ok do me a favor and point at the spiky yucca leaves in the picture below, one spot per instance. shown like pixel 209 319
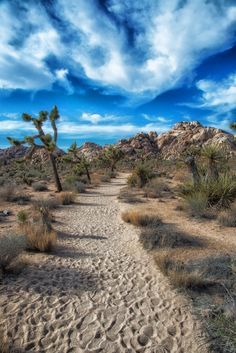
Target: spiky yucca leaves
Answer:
pixel 47 141
pixel 219 192
pixel 112 156
pixel 215 155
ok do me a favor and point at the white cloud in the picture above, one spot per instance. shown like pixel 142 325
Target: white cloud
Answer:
pixel 108 131
pixel 23 53
pixel 219 96
pixel 97 118
pixel 61 75
pixel 9 115
pixel 160 119
pixel 169 40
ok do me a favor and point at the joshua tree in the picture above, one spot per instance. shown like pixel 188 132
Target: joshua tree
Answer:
pixel 81 161
pixel 46 141
pixel 215 155
pixel 112 156
pixel 190 160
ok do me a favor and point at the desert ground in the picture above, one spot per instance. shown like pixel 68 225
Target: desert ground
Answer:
pixel 98 291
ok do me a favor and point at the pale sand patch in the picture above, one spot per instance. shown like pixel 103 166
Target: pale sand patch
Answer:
pixel 99 291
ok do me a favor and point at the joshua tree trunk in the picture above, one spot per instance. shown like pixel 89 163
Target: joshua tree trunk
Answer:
pixel 194 170
pixel 56 176
pixel 88 175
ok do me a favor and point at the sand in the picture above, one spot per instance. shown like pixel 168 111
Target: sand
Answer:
pixel 99 291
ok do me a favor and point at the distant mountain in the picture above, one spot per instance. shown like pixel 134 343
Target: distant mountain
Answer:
pixel 169 145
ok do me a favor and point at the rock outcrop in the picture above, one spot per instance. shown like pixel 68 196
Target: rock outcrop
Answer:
pixel 186 134
pixel 90 150
pixel 169 145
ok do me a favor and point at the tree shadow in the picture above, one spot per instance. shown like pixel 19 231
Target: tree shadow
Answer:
pixel 95 237
pixel 52 280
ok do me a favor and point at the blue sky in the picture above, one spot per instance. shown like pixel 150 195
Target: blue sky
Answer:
pixel 116 67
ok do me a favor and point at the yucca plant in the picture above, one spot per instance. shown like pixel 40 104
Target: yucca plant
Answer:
pixel 215 155
pixel 47 141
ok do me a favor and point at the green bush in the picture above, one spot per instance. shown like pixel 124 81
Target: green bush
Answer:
pixel 197 203
pixel 141 175
pixel 22 216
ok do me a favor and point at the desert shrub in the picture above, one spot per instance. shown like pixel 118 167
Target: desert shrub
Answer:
pixel 197 203
pixel 227 217
pixel 132 180
pixel 142 174
pixel 66 198
pixel 155 187
pixel 39 186
pixel 178 274
pixel 105 178
pixel 223 329
pixel 140 218
pixel 8 193
pixel 22 216
pixel 41 214
pixel 39 238
pixel 10 247
pixel 162 237
pixel 50 203
pixel 189 280
pixel 73 184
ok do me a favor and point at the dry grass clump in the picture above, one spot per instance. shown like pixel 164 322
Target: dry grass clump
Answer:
pixel 227 218
pixel 141 218
pixel 197 204
pixel 179 275
pixel 155 188
pixel 10 248
pixel 164 237
pixel 39 237
pixel 66 198
pixel 10 193
pixel 37 186
pixel 50 203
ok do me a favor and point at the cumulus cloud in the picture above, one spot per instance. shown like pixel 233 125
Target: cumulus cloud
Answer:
pixel 160 48
pixel 218 95
pixel 24 46
pixel 96 118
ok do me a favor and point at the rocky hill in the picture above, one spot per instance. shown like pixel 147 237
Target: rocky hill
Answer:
pixel 169 145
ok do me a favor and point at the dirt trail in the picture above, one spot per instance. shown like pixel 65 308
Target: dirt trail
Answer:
pixel 99 291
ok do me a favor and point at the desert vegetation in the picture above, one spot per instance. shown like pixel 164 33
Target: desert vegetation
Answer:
pixel 172 202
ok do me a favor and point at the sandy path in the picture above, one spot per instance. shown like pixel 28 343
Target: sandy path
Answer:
pixel 99 292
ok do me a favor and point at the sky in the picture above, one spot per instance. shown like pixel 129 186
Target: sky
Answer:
pixel 116 67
